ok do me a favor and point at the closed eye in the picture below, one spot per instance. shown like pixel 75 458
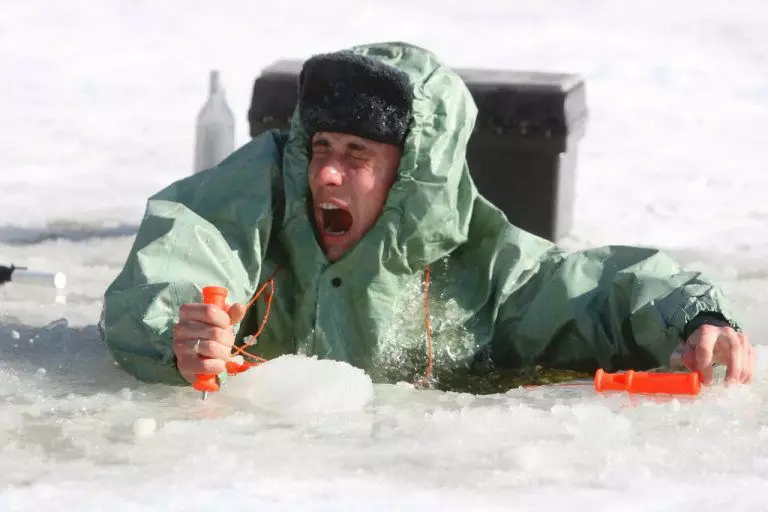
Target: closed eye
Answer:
pixel 358 152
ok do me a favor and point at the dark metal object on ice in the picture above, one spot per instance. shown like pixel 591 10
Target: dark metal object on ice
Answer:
pixel 523 152
pixel 23 276
pixel 5 273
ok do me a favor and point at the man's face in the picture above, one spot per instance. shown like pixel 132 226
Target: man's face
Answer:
pixel 349 178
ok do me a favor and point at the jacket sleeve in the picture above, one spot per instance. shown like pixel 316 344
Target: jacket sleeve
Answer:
pixel 612 307
pixel 208 229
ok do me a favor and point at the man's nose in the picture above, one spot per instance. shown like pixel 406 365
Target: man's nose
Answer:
pixel 330 174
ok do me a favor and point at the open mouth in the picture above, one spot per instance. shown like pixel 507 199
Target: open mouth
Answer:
pixel 336 221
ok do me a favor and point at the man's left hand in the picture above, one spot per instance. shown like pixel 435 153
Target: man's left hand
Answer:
pixel 710 344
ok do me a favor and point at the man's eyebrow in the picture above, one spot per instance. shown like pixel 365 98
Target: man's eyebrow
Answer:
pixel 321 141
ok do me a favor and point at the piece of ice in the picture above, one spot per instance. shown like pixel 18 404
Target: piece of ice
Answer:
pixel 144 427
pixel 293 383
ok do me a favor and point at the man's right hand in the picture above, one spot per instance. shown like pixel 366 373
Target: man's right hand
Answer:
pixel 203 338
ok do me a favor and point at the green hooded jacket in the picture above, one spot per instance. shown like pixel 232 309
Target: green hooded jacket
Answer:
pixel 500 300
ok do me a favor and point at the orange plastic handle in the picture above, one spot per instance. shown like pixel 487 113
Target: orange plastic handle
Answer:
pixel 217 296
pixel 648 383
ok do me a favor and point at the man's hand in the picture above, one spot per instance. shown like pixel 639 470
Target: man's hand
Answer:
pixel 203 338
pixel 722 345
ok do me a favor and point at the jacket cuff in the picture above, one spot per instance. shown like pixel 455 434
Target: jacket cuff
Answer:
pixel 705 318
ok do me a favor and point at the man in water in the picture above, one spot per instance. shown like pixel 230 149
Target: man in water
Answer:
pixel 377 250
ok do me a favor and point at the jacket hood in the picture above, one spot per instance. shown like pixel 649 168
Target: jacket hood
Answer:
pixel 429 207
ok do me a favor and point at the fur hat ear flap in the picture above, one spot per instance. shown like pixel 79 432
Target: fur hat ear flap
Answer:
pixel 350 93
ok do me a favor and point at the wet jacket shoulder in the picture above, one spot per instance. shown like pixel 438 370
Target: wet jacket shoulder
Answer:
pixel 209 228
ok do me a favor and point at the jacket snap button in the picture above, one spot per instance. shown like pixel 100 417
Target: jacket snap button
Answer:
pixel 336 282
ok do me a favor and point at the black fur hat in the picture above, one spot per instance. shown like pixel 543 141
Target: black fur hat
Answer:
pixel 350 93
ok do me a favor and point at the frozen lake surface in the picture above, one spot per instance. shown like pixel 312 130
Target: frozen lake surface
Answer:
pixel 99 101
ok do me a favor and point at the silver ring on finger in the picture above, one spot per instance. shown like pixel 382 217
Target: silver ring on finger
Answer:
pixel 196 347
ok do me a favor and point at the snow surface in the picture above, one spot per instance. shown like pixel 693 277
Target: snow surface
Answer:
pixel 98 102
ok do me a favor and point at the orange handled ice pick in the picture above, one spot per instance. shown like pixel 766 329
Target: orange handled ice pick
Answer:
pixel 648 383
pixel 217 296
pixel 206 383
